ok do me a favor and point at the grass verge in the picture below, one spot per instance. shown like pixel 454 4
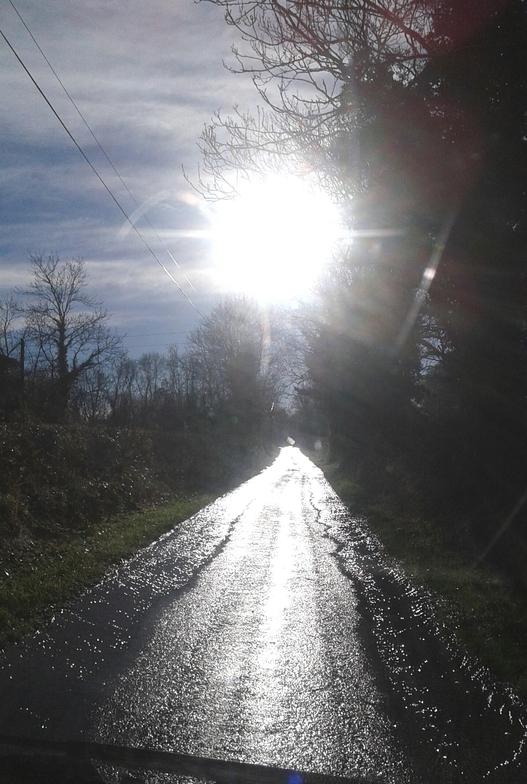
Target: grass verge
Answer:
pixel 44 574
pixel 487 616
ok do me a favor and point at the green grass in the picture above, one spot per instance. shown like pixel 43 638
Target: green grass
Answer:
pixel 485 613
pixel 40 576
pixel 487 616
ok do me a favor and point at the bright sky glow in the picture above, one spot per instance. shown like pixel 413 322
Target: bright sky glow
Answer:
pixel 273 240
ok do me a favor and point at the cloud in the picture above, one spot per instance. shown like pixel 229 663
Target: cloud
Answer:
pixel 146 76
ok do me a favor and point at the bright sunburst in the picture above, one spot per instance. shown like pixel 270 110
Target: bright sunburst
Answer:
pixel 273 240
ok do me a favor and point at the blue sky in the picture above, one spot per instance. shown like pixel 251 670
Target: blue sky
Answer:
pixel 146 76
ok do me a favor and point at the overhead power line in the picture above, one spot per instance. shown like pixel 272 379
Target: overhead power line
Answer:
pixel 92 167
pixel 84 120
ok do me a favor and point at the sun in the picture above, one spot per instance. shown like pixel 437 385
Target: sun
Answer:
pixel 273 240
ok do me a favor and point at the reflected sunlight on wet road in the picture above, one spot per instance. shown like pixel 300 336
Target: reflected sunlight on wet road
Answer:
pixel 268 629
pixel 260 660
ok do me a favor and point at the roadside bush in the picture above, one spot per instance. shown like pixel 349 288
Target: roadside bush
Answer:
pixel 66 477
pixel 12 510
pixel 58 478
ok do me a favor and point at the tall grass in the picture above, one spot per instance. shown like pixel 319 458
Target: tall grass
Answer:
pixel 47 574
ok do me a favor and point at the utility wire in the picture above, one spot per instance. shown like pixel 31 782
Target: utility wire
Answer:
pixel 125 186
pixel 92 167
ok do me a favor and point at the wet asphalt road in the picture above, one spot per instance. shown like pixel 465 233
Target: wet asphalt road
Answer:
pixel 268 628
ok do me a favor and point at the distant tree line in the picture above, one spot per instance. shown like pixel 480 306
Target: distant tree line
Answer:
pixel 414 117
pixel 61 362
pixel 87 431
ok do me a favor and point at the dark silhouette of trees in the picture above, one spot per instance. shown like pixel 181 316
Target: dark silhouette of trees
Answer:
pixel 235 360
pixel 10 311
pixel 67 329
pixel 11 358
pixel 238 380
pixel 477 435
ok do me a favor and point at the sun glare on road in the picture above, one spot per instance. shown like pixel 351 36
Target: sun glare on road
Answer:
pixel 273 240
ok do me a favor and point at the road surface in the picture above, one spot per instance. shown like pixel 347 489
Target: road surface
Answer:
pixel 268 628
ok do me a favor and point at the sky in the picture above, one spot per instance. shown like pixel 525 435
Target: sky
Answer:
pixel 146 77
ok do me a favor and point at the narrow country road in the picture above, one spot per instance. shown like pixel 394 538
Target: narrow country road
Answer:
pixel 268 628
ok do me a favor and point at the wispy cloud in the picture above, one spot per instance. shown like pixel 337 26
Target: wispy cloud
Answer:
pixel 146 76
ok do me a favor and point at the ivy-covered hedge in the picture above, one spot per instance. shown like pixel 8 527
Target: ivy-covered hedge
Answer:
pixel 56 477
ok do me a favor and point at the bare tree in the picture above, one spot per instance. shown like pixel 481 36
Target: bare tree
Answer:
pixel 11 358
pixel 68 328
pixel 313 40
pixel 235 361
pixel 179 383
pixel 149 375
pixel 89 396
pixel 320 68
pixel 9 333
pixel 173 383
pixel 120 388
